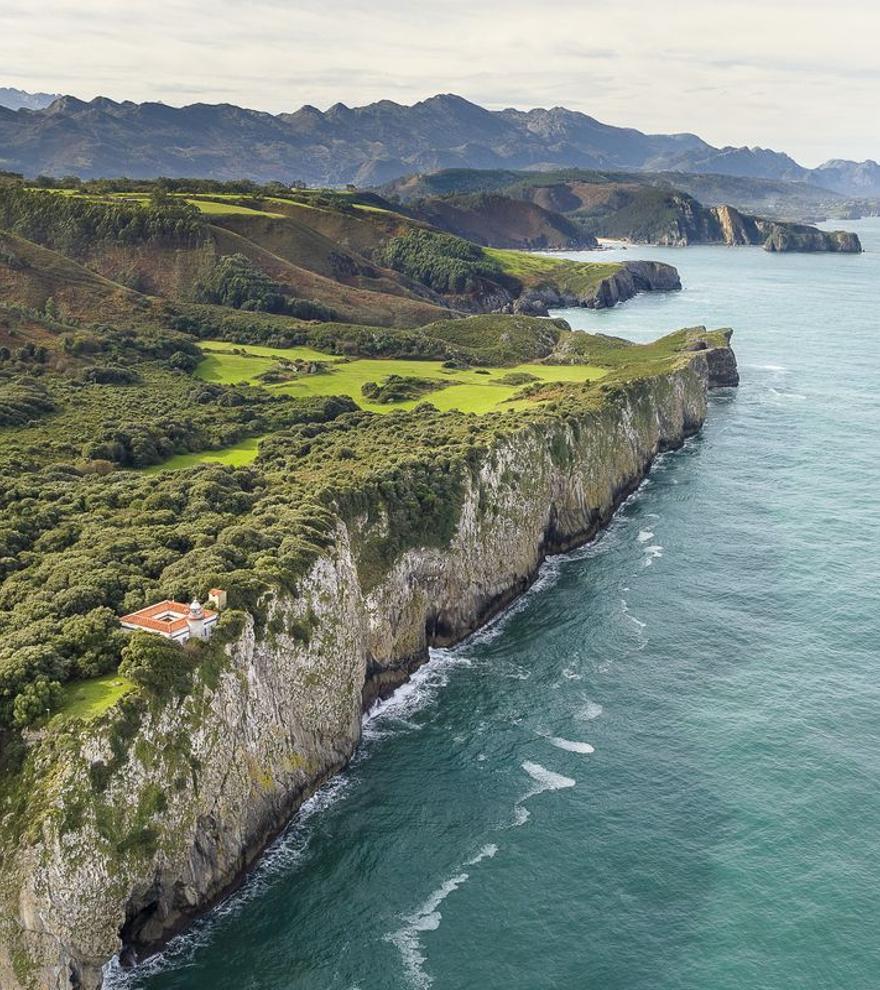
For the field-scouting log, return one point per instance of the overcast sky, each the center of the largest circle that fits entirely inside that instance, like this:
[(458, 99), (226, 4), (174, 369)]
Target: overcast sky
[(802, 76)]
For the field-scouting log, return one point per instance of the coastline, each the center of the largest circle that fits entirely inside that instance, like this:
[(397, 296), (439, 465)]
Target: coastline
[(267, 738)]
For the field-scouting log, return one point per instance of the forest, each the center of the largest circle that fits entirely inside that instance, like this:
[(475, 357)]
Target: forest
[(91, 407)]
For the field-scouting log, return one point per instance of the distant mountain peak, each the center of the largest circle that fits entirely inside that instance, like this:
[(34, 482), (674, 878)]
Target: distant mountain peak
[(368, 144), (20, 99), (66, 104), (868, 163)]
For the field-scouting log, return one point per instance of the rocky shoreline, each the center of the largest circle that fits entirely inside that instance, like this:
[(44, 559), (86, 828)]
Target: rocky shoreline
[(631, 278)]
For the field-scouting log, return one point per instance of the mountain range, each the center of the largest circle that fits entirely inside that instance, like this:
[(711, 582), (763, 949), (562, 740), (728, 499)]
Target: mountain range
[(15, 99), (365, 145)]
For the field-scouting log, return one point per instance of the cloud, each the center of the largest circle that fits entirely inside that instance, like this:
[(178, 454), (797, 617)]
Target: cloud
[(780, 73)]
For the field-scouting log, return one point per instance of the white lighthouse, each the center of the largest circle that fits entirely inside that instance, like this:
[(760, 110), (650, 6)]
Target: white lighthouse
[(195, 619), (176, 621)]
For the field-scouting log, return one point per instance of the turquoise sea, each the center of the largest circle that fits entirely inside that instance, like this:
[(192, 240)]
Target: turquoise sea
[(661, 769)]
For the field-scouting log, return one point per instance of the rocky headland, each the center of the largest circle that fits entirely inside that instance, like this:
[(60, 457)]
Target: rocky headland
[(125, 827)]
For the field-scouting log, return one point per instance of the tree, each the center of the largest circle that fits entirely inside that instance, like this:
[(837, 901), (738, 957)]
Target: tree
[(235, 281), (92, 641), (156, 664), (36, 700)]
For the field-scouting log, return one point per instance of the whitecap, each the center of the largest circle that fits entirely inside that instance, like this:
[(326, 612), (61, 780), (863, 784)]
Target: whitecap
[(590, 710), (427, 918), (487, 852), (645, 535), (412, 696), (625, 609), (570, 674), (570, 745), (545, 780)]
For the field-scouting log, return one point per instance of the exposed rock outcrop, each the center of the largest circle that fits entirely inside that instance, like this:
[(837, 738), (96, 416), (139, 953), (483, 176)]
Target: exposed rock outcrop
[(686, 222), (153, 811), (631, 278), (800, 237)]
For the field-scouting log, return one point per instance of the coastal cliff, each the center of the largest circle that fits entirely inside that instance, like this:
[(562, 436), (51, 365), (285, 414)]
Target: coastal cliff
[(680, 221), (138, 820), (628, 280)]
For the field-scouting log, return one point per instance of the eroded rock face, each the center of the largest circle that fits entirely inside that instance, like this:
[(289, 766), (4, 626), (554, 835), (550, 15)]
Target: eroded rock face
[(799, 237), (635, 277), (631, 278), (209, 779)]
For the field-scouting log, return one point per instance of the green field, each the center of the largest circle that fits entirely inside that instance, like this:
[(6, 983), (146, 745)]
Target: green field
[(471, 391), (89, 699), (213, 207), (533, 269), (239, 453), (216, 205), (476, 391)]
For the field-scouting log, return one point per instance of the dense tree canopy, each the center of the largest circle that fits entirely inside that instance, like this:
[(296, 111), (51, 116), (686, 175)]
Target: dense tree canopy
[(75, 225), (441, 261)]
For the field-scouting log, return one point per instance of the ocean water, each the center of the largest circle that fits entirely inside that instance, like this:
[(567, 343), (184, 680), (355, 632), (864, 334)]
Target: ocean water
[(660, 769)]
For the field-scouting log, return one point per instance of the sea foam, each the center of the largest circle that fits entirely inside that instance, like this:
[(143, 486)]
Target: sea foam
[(427, 918), (545, 780), (570, 745), (589, 711)]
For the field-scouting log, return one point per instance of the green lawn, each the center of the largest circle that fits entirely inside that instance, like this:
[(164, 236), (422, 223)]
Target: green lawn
[(89, 699), (474, 391), (477, 391), (576, 276), (239, 453), (215, 208), (367, 208)]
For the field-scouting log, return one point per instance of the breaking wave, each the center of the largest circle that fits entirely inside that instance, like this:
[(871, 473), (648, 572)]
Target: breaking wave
[(427, 918)]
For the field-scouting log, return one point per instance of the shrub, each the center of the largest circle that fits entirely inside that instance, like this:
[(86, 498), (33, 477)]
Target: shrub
[(181, 361), (156, 664), (110, 375), (20, 670), (22, 401), (37, 699)]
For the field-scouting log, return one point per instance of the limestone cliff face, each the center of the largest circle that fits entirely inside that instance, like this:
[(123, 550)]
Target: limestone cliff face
[(684, 222), (634, 277), (734, 227), (800, 237), (158, 808), (631, 278)]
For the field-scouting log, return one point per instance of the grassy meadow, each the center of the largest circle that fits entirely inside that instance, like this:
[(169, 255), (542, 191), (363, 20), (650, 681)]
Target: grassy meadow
[(474, 390), (471, 390), (535, 269), (90, 698)]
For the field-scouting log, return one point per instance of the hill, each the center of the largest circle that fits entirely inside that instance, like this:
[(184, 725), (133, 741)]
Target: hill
[(505, 222), (642, 209), (96, 253), (364, 145)]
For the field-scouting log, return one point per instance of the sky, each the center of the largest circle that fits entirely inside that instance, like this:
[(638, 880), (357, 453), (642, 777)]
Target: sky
[(800, 76)]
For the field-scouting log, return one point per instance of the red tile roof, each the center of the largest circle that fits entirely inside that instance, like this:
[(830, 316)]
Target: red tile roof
[(146, 617)]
